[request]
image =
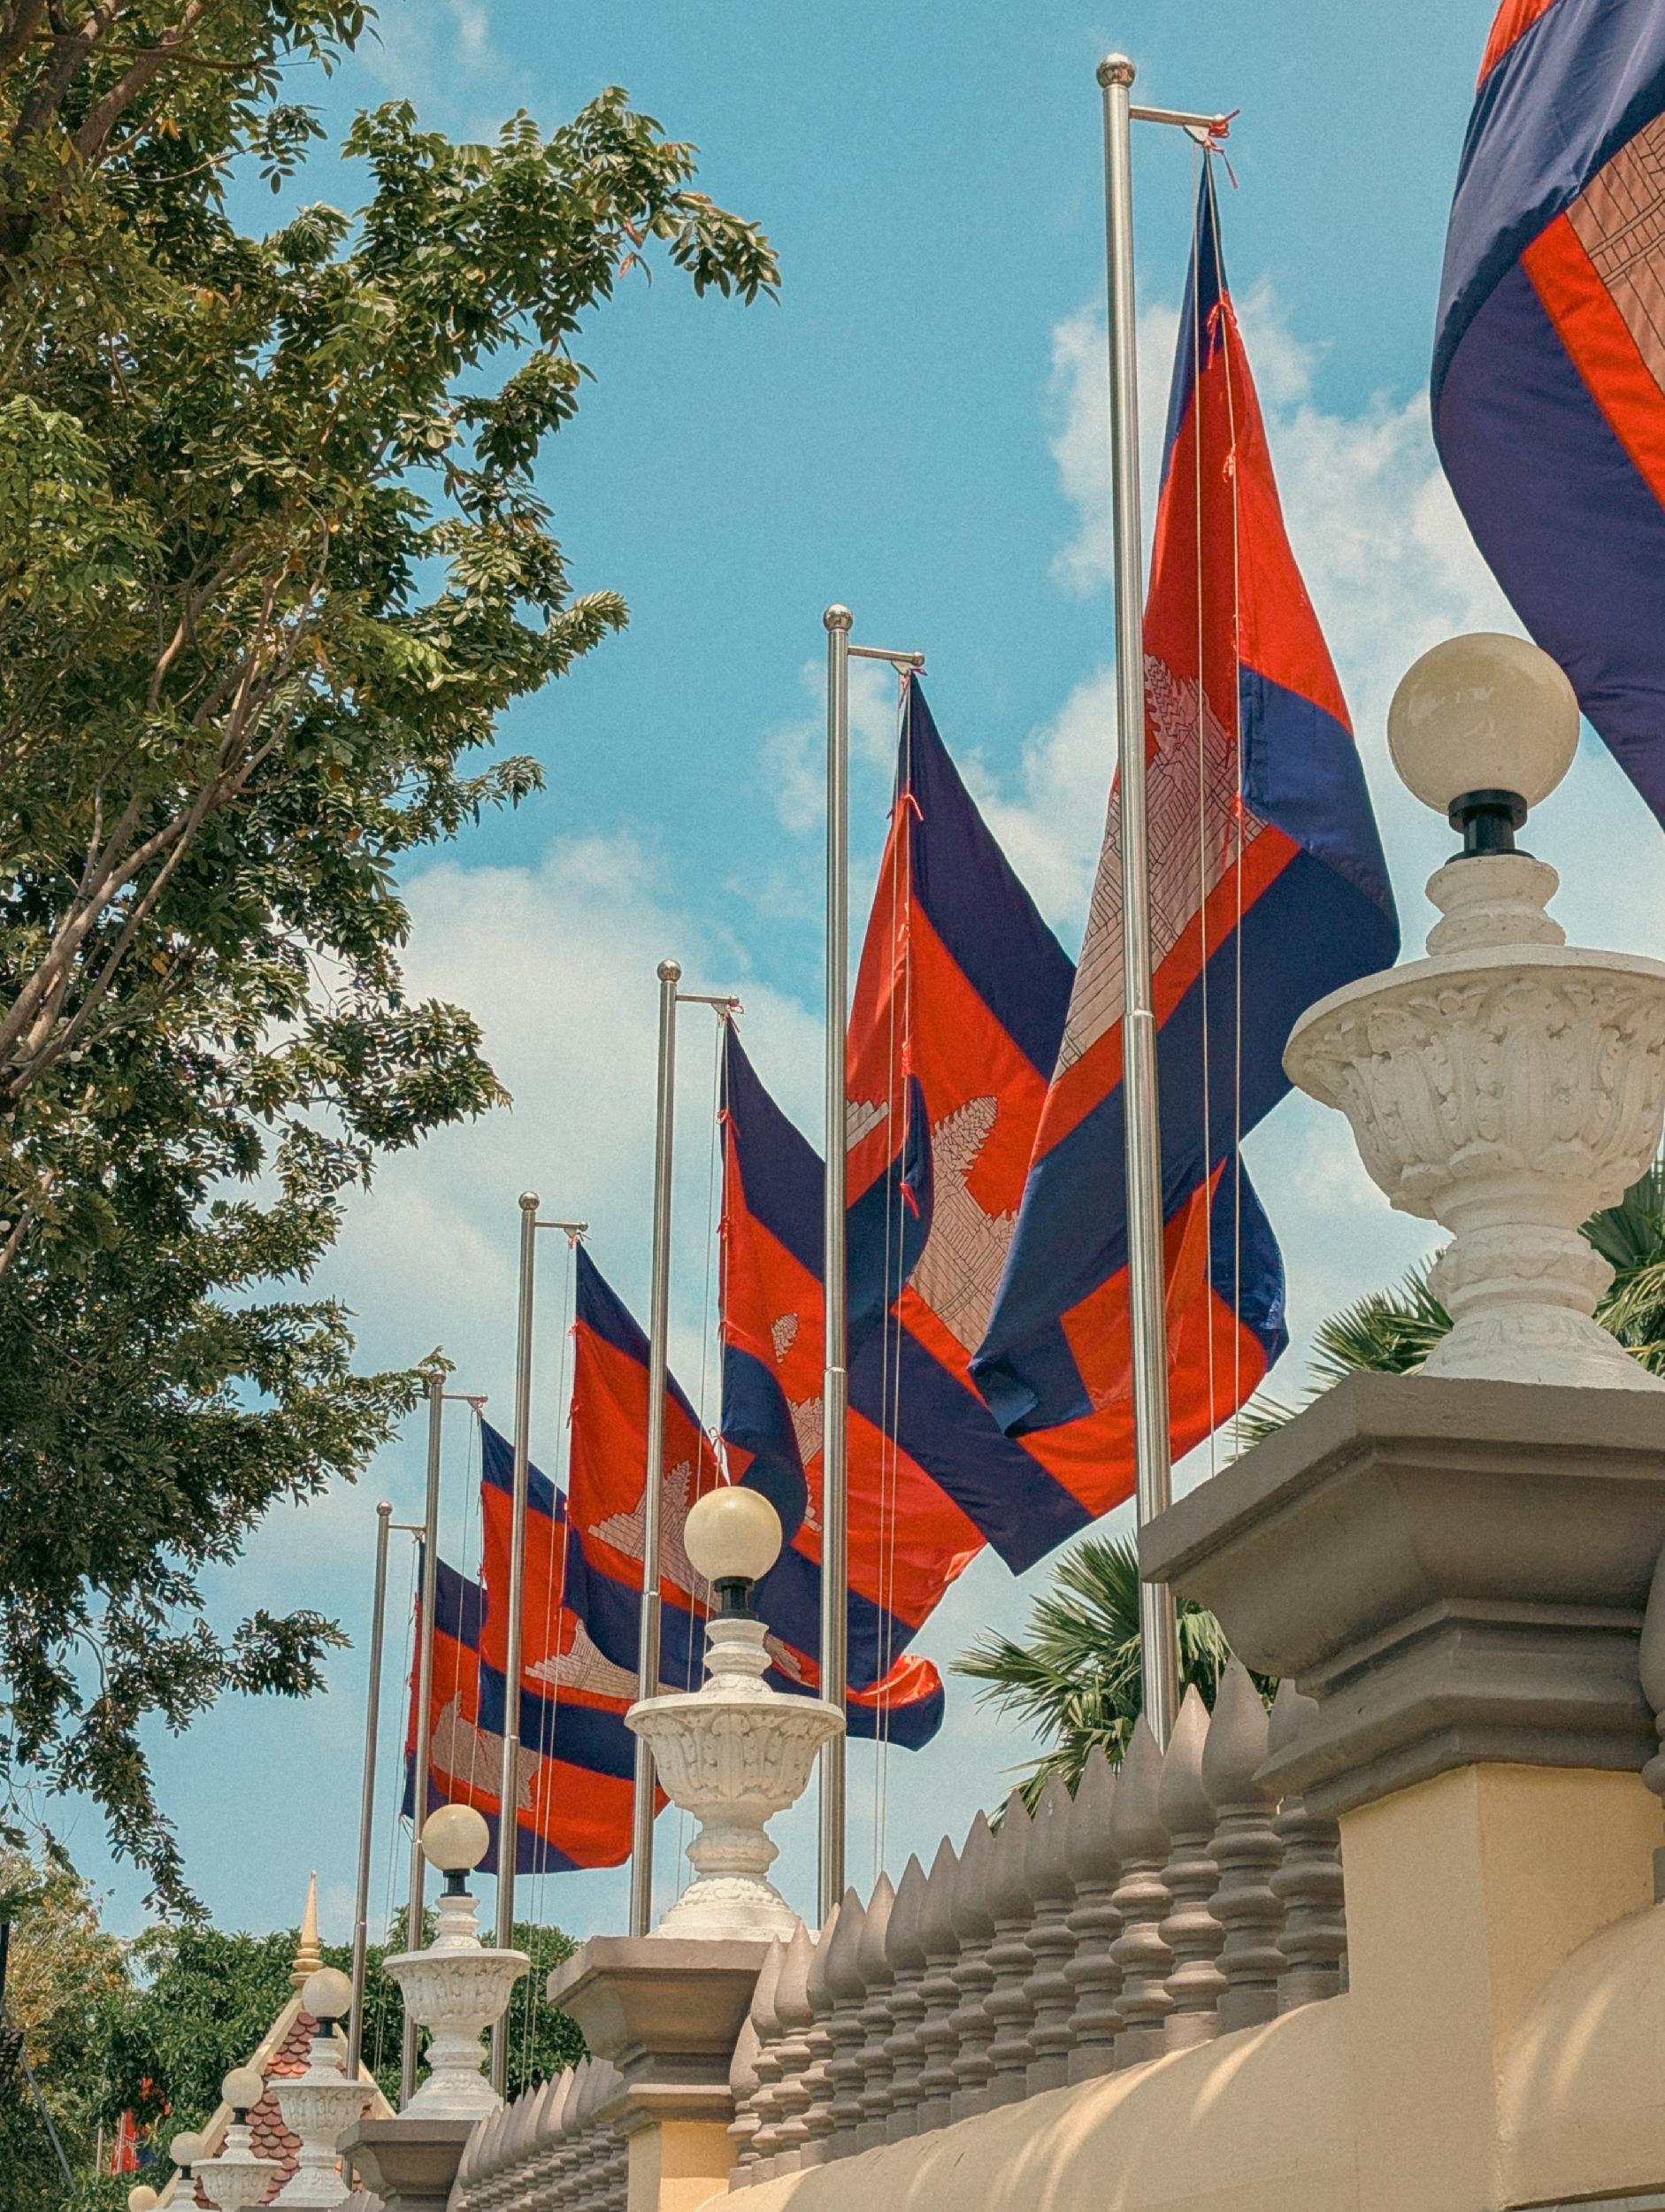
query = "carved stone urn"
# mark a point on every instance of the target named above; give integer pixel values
(735, 1752)
(456, 1988)
(1510, 1085)
(319, 2104)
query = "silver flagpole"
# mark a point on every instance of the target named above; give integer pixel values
(367, 1798)
(834, 1381)
(1158, 1629)
(658, 1325)
(509, 1787)
(424, 1712)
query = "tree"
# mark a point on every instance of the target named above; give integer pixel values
(202, 1999)
(63, 1971)
(1075, 1675)
(1392, 1332)
(271, 565)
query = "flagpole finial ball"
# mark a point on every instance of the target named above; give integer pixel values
(732, 1535)
(530, 1201)
(1116, 69)
(1485, 713)
(670, 971)
(455, 1839)
(837, 617)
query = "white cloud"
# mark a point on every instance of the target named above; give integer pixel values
(793, 753)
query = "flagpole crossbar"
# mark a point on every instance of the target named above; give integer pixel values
(915, 661)
(724, 1003)
(1213, 127)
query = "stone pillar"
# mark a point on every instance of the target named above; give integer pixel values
(1191, 1930)
(1142, 1958)
(667, 2012)
(1455, 1569)
(1094, 1922)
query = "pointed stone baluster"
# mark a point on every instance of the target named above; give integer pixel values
(766, 2065)
(818, 2111)
(941, 1945)
(1095, 1923)
(1140, 1955)
(1191, 1930)
(1246, 1851)
(1051, 1945)
(904, 1947)
(844, 2028)
(1011, 1899)
(604, 2167)
(974, 1976)
(792, 2009)
(742, 2087)
(874, 1967)
(1308, 1885)
(566, 2165)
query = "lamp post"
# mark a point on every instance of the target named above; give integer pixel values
(457, 1989)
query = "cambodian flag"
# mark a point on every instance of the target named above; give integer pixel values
(1268, 889)
(907, 1540)
(1549, 358)
(961, 1002)
(577, 1759)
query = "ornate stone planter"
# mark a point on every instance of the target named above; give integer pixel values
(455, 1989)
(734, 1753)
(1507, 1085)
(316, 2107)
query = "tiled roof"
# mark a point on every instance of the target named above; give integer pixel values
(268, 2138)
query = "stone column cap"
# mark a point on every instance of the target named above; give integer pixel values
(1455, 1568)
(667, 2011)
(411, 2164)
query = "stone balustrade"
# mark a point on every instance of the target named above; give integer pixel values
(558, 2148)
(1159, 1907)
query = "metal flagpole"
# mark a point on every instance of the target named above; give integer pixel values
(367, 1799)
(670, 973)
(424, 1712)
(1153, 1455)
(509, 1787)
(834, 1381)
(659, 1324)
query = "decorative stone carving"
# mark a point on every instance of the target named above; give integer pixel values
(237, 2177)
(934, 2087)
(454, 1989)
(734, 1753)
(742, 2085)
(1140, 1955)
(1051, 1946)
(1191, 1930)
(766, 2028)
(817, 2088)
(1247, 1851)
(1507, 1085)
(792, 2009)
(1307, 1882)
(873, 1964)
(1011, 1900)
(1094, 1921)
(319, 2106)
(848, 1991)
(974, 1976)
(904, 2053)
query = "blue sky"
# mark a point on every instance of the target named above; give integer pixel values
(916, 428)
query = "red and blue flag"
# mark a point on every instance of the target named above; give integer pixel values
(576, 1760)
(960, 1006)
(1549, 357)
(907, 1540)
(1268, 889)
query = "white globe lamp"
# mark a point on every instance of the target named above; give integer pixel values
(732, 1538)
(1482, 729)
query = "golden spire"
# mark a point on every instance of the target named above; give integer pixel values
(308, 1957)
